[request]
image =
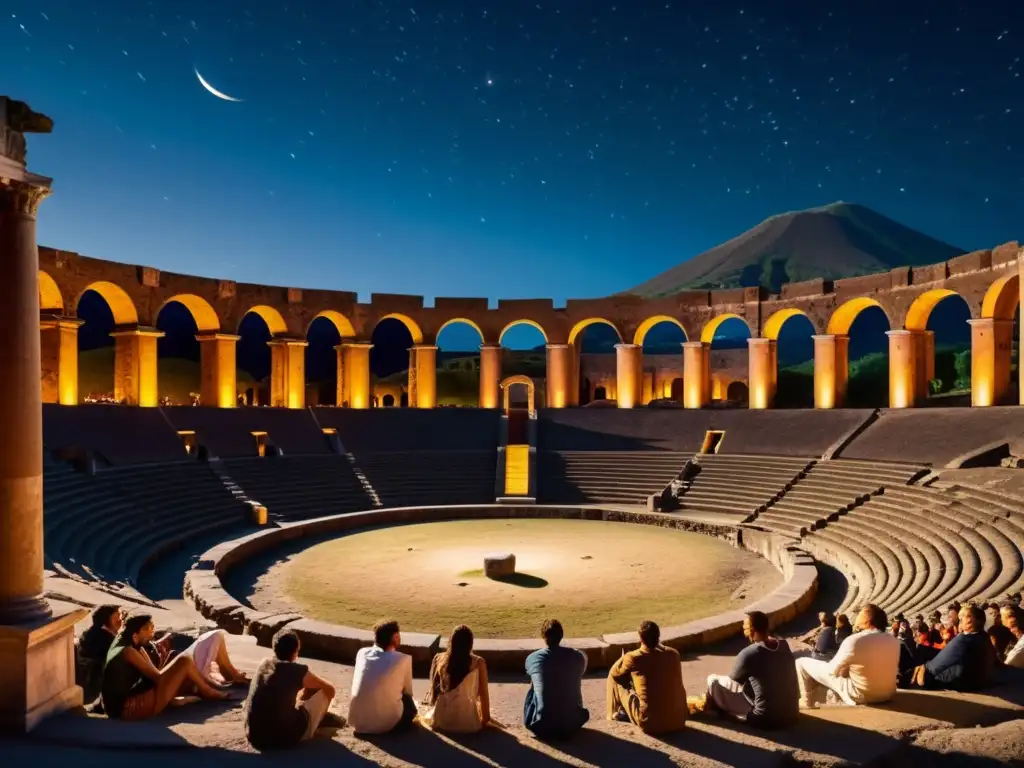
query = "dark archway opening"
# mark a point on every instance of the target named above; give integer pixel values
(253, 358)
(177, 354)
(322, 362)
(95, 349)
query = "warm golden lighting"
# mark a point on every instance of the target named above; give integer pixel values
(707, 334)
(121, 305)
(275, 322)
(696, 383)
(330, 431)
(59, 359)
(135, 367)
(773, 325)
(991, 344)
(559, 367)
(921, 309)
(204, 315)
(424, 358)
(628, 371)
(261, 443)
(830, 370)
(524, 321)
(517, 470)
(526, 381)
(341, 323)
(582, 325)
(902, 369)
(49, 295)
(288, 373)
(218, 383)
(841, 320)
(761, 377)
(650, 322)
(490, 375)
(357, 374)
(409, 323)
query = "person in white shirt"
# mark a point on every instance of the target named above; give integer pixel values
(1013, 620)
(382, 699)
(863, 671)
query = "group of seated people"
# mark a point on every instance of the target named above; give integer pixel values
(767, 686)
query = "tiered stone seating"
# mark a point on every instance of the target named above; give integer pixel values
(424, 478)
(228, 432)
(299, 487)
(737, 486)
(605, 477)
(113, 434)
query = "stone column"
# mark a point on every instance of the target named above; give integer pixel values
(574, 387)
(287, 373)
(761, 355)
(559, 375)
(831, 370)
(902, 369)
(628, 367)
(991, 343)
(423, 358)
(135, 366)
(490, 375)
(339, 392)
(357, 374)
(924, 362)
(696, 374)
(59, 366)
(218, 383)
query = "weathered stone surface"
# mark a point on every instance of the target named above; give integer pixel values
(337, 643)
(500, 565)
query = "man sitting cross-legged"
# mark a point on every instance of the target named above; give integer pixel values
(762, 688)
(286, 702)
(645, 686)
(968, 661)
(864, 669)
(554, 702)
(382, 684)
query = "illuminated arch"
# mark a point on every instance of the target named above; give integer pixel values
(841, 320)
(773, 326)
(506, 386)
(121, 305)
(524, 321)
(921, 309)
(455, 321)
(342, 323)
(49, 293)
(204, 315)
(650, 322)
(582, 325)
(408, 322)
(1002, 297)
(275, 323)
(707, 335)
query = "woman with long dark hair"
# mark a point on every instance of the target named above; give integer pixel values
(458, 696)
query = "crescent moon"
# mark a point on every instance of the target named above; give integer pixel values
(211, 89)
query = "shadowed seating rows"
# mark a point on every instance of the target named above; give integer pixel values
(737, 486)
(605, 477)
(423, 478)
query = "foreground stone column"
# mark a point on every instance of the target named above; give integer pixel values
(991, 343)
(559, 375)
(902, 369)
(218, 383)
(490, 375)
(59, 359)
(574, 385)
(761, 357)
(423, 388)
(831, 370)
(629, 360)
(135, 367)
(696, 374)
(356, 391)
(287, 373)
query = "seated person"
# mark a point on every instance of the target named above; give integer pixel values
(93, 646)
(843, 629)
(762, 687)
(825, 645)
(863, 671)
(1000, 637)
(382, 699)
(286, 702)
(458, 695)
(968, 661)
(645, 686)
(554, 703)
(135, 689)
(1013, 619)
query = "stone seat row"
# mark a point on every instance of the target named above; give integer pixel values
(426, 478)
(605, 477)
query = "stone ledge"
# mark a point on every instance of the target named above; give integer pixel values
(337, 643)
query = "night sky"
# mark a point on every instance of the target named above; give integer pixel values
(506, 149)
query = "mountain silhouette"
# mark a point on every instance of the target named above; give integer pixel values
(833, 241)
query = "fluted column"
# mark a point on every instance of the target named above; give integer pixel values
(59, 359)
(490, 375)
(135, 366)
(356, 365)
(903, 371)
(761, 357)
(831, 370)
(423, 366)
(991, 345)
(696, 374)
(559, 375)
(287, 373)
(218, 383)
(628, 367)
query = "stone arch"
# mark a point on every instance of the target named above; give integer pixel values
(841, 320)
(342, 323)
(408, 322)
(50, 297)
(204, 314)
(707, 334)
(1002, 297)
(582, 325)
(650, 322)
(121, 305)
(921, 309)
(773, 325)
(524, 321)
(275, 322)
(531, 400)
(456, 320)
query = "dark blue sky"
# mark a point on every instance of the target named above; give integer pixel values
(506, 149)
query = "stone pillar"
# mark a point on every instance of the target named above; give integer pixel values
(59, 354)
(287, 373)
(991, 343)
(218, 383)
(423, 371)
(357, 374)
(135, 367)
(831, 370)
(902, 369)
(696, 374)
(761, 379)
(490, 375)
(629, 360)
(924, 362)
(559, 375)
(574, 388)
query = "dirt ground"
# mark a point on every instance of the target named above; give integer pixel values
(597, 577)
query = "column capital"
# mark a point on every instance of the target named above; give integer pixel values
(624, 345)
(49, 320)
(829, 336)
(694, 344)
(23, 196)
(141, 330)
(899, 332)
(557, 345)
(759, 340)
(423, 346)
(490, 346)
(217, 336)
(356, 344)
(990, 321)
(287, 342)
